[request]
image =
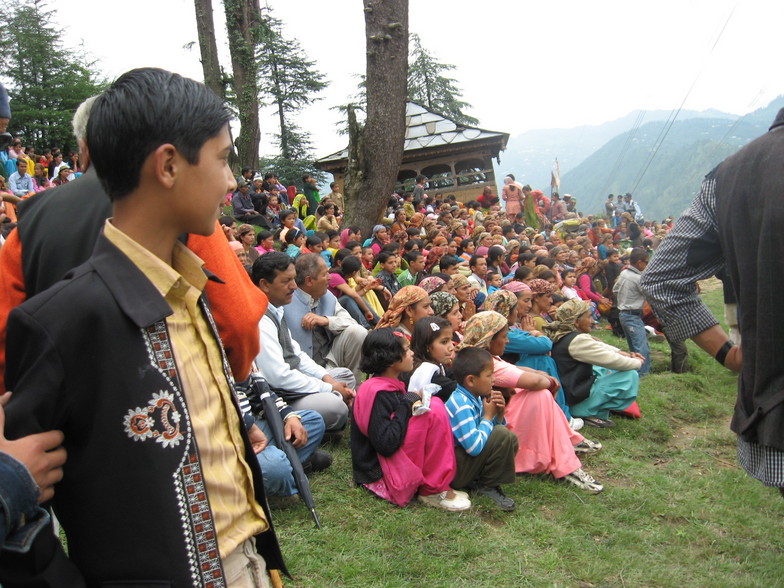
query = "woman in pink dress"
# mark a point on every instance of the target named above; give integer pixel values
(546, 443)
(513, 196)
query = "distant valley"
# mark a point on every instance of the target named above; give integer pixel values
(614, 157)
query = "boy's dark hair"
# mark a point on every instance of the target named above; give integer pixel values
(543, 275)
(522, 272)
(284, 214)
(556, 298)
(470, 361)
(384, 256)
(420, 178)
(268, 266)
(411, 256)
(637, 255)
(226, 221)
(412, 232)
(381, 349)
(351, 244)
(349, 265)
(611, 252)
(142, 110)
(448, 261)
(566, 272)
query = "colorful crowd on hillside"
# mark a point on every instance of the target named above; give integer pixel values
(456, 343)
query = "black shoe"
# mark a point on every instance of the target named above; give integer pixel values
(319, 461)
(497, 495)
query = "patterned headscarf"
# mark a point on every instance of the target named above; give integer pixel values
(431, 283)
(458, 281)
(416, 219)
(442, 303)
(539, 286)
(405, 297)
(565, 318)
(586, 264)
(516, 286)
(433, 257)
(481, 328)
(501, 301)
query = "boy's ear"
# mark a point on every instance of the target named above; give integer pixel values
(469, 381)
(166, 163)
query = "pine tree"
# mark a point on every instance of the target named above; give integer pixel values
(428, 86)
(44, 91)
(289, 81)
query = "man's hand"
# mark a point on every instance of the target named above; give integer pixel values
(294, 432)
(341, 388)
(734, 359)
(258, 439)
(229, 232)
(311, 320)
(41, 454)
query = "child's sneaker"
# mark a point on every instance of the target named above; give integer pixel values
(584, 481)
(587, 446)
(455, 504)
(497, 495)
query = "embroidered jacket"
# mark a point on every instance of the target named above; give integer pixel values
(132, 500)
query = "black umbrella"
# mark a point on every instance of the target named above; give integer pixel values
(261, 390)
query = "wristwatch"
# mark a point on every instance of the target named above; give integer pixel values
(721, 354)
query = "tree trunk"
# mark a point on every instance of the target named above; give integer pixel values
(205, 28)
(243, 22)
(372, 174)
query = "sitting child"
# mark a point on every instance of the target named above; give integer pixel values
(433, 349)
(484, 448)
(394, 454)
(494, 282)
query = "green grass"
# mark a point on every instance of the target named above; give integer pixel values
(677, 510)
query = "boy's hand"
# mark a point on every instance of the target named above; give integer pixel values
(490, 406)
(500, 404)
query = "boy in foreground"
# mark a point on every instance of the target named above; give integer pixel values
(485, 449)
(162, 484)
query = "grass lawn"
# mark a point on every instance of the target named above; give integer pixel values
(677, 510)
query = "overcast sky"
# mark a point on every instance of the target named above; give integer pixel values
(522, 65)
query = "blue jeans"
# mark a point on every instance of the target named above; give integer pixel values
(278, 477)
(637, 338)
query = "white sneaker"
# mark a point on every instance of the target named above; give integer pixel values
(575, 424)
(584, 481)
(455, 504)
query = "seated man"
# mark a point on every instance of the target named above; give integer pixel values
(242, 207)
(20, 182)
(290, 371)
(323, 328)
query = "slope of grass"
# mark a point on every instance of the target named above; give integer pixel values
(677, 510)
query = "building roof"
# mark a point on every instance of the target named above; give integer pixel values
(429, 129)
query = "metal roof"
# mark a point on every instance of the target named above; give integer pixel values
(430, 129)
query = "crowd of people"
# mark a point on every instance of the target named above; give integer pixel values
(435, 279)
(456, 342)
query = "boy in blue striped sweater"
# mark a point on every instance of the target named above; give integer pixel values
(484, 447)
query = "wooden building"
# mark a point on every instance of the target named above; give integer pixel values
(455, 158)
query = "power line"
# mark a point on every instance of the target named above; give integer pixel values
(671, 120)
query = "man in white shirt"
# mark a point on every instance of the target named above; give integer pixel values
(291, 372)
(20, 182)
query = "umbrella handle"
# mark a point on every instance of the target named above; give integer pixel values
(275, 579)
